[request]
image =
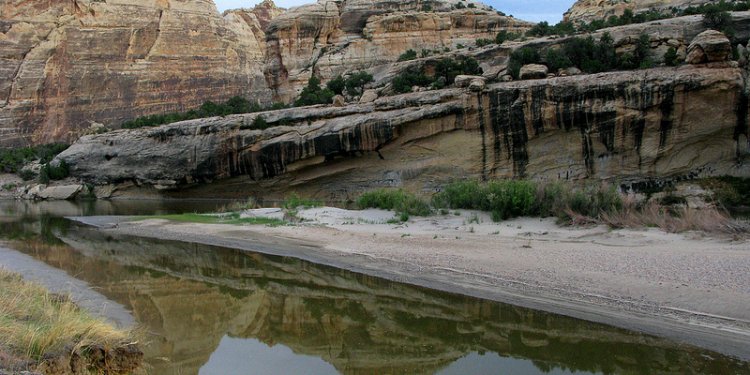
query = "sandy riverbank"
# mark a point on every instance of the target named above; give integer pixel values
(687, 287)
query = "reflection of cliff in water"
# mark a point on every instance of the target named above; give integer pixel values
(191, 296)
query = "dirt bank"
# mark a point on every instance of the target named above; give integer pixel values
(690, 287)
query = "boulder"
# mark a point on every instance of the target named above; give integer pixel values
(534, 71)
(339, 101)
(709, 46)
(572, 71)
(369, 96)
(59, 193)
(506, 78)
(477, 84)
(464, 81)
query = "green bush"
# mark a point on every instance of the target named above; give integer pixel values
(294, 201)
(671, 58)
(13, 160)
(234, 105)
(504, 36)
(50, 172)
(396, 200)
(313, 94)
(514, 198)
(521, 57)
(410, 77)
(481, 42)
(355, 83)
(337, 85)
(410, 54)
(504, 199)
(716, 18)
(259, 122)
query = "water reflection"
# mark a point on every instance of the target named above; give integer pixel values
(213, 310)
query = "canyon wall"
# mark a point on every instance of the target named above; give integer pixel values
(65, 66)
(68, 65)
(591, 10)
(333, 37)
(627, 127)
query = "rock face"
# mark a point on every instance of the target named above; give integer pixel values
(332, 37)
(533, 71)
(69, 65)
(590, 10)
(632, 127)
(708, 46)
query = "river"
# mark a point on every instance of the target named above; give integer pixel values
(211, 310)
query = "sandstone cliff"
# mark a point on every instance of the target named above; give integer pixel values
(630, 127)
(591, 10)
(67, 65)
(333, 37)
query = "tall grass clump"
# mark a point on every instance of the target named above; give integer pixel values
(514, 198)
(35, 323)
(295, 201)
(403, 203)
(504, 199)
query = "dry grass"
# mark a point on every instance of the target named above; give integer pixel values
(673, 219)
(35, 323)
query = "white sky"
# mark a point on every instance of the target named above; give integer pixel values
(529, 10)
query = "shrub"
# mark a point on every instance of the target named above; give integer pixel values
(716, 18)
(337, 85)
(54, 172)
(294, 201)
(355, 83)
(504, 36)
(410, 77)
(313, 94)
(481, 42)
(521, 57)
(396, 200)
(410, 54)
(259, 122)
(234, 105)
(504, 199)
(13, 160)
(671, 58)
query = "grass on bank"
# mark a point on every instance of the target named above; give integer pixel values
(576, 205)
(35, 323)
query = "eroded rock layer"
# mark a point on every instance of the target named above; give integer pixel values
(67, 65)
(628, 127)
(332, 37)
(592, 10)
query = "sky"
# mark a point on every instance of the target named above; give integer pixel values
(528, 10)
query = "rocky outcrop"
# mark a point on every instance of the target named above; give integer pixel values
(629, 127)
(591, 10)
(329, 37)
(533, 71)
(709, 46)
(68, 65)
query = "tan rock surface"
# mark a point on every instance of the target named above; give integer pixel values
(590, 10)
(631, 127)
(68, 64)
(708, 46)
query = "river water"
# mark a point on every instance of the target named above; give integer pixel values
(211, 310)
